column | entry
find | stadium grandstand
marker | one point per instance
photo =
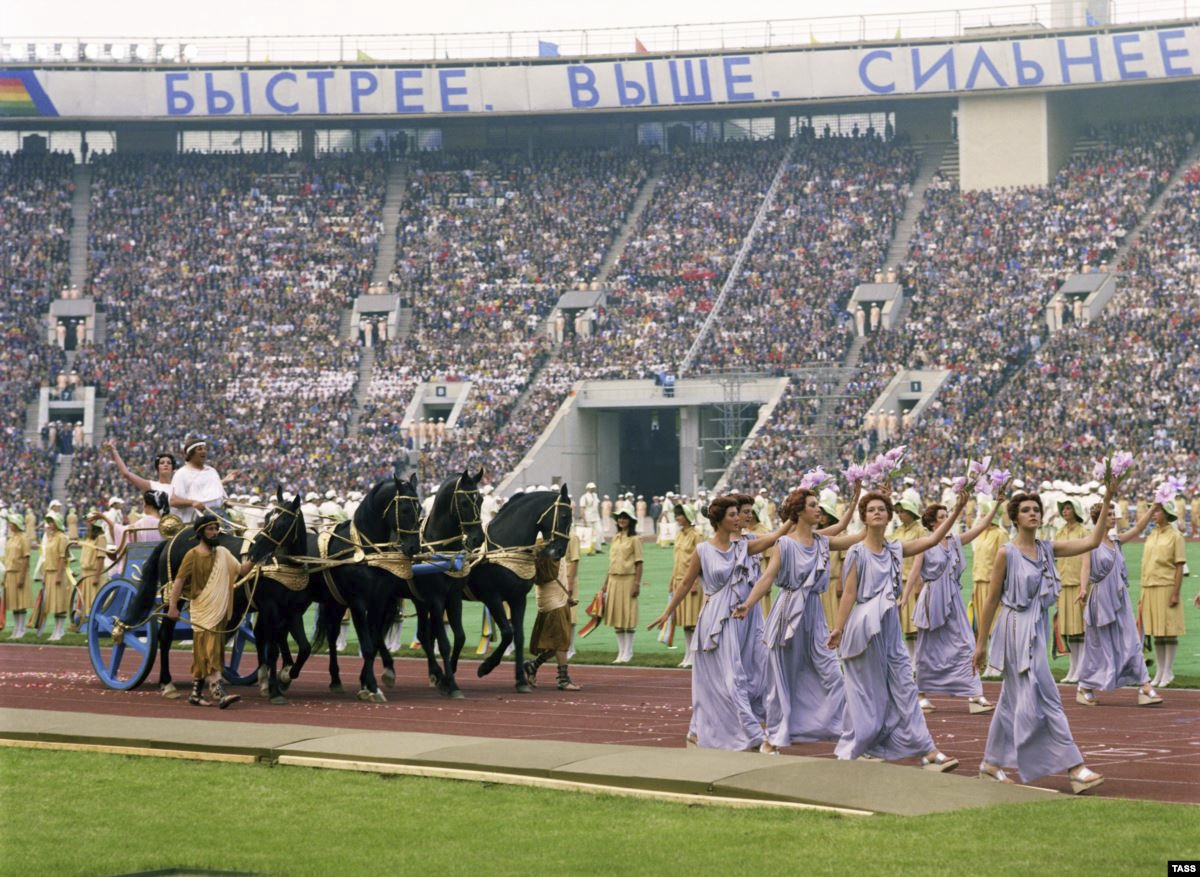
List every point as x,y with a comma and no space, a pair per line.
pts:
686,266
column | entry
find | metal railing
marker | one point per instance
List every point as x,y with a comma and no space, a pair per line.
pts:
625,41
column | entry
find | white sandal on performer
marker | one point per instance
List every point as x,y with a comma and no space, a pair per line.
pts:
981,704
941,762
994,774
1148,698
1083,778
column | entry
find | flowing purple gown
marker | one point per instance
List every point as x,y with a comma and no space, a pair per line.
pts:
1029,729
724,715
1112,649
805,692
883,718
945,643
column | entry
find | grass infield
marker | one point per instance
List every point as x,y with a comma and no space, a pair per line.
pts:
93,814
601,646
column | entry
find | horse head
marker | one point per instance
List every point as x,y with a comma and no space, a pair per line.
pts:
283,530
467,502
554,524
404,515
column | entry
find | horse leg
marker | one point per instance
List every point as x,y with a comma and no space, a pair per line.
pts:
368,685
303,650
496,607
385,654
166,634
448,686
517,604
331,621
426,637
262,649
454,614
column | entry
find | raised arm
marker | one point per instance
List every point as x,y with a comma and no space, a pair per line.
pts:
984,521
760,587
995,590
1139,526
843,543
132,477
685,587
924,543
762,543
1072,547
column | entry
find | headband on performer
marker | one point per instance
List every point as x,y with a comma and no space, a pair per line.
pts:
191,446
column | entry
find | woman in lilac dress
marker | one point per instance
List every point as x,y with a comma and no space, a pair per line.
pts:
882,718
1112,653
723,716
1029,729
805,695
945,642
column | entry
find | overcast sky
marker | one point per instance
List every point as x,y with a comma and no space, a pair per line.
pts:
166,18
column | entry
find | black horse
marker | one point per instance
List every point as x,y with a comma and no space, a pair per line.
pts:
385,526
161,568
282,594
453,525
512,539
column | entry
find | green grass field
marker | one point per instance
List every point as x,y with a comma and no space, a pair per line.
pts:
90,814
601,647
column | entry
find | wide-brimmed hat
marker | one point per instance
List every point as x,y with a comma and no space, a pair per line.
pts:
687,511
1074,503
16,520
910,505
56,519
828,503
1169,510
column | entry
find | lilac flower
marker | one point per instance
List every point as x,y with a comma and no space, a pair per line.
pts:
1100,470
815,479
957,484
1167,491
854,473
1121,461
979,467
996,478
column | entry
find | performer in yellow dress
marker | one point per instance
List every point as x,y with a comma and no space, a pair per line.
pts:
1070,610
16,572
983,555
623,583
909,512
687,537
1160,606
54,573
93,558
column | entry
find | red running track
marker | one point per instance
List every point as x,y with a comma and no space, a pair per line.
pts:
1150,753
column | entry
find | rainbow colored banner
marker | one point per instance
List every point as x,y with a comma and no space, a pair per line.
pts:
22,95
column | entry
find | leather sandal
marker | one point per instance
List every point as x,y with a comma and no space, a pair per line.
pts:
1086,698
1149,698
977,705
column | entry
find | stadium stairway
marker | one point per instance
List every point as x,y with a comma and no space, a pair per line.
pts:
366,367
81,202
385,257
932,157
1131,239
735,270
948,167
613,256
63,463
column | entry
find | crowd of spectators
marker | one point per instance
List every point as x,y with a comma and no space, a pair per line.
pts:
1128,380
223,279
827,230
982,266
35,229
